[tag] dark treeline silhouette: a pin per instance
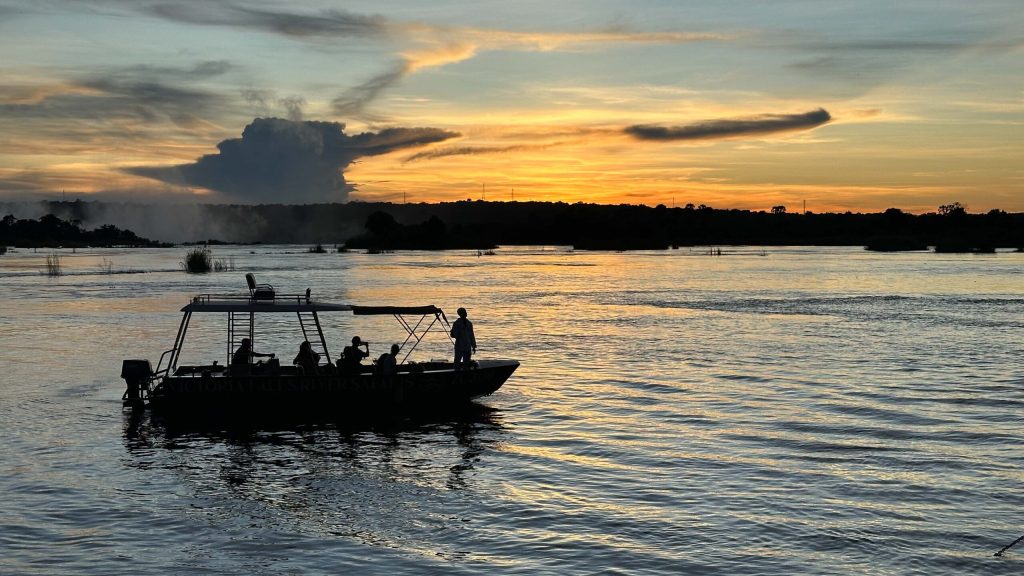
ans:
(383, 232)
(51, 231)
(479, 224)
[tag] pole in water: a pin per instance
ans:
(1008, 546)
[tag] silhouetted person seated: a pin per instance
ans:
(352, 356)
(307, 359)
(465, 340)
(387, 364)
(240, 360)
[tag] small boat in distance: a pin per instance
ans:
(326, 387)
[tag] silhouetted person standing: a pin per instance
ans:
(465, 340)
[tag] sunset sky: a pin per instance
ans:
(857, 105)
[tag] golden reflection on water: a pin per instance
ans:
(552, 498)
(566, 456)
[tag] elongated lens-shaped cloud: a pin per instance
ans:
(732, 128)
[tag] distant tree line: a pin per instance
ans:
(51, 231)
(629, 227)
(479, 224)
(383, 232)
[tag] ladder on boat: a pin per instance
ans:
(313, 333)
(240, 325)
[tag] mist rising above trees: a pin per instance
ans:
(51, 231)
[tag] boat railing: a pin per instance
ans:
(162, 370)
(253, 299)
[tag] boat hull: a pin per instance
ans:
(332, 392)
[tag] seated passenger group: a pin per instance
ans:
(308, 361)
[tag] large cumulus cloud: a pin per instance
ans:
(287, 161)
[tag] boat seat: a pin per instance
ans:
(259, 291)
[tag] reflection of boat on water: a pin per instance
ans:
(325, 387)
(144, 428)
(376, 461)
(353, 474)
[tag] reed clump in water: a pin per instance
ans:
(222, 265)
(53, 265)
(198, 260)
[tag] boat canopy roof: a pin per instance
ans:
(393, 310)
(271, 306)
(215, 303)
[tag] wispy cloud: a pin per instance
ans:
(942, 43)
(264, 101)
(731, 128)
(328, 23)
(338, 24)
(475, 150)
(441, 46)
(353, 102)
(110, 98)
(147, 93)
(425, 45)
(439, 54)
(198, 71)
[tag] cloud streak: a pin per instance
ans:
(475, 150)
(264, 100)
(335, 24)
(328, 23)
(108, 98)
(144, 93)
(731, 128)
(465, 43)
(285, 161)
(353, 102)
(428, 45)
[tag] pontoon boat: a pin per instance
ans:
(325, 387)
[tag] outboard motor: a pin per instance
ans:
(136, 374)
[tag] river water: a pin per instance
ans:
(766, 411)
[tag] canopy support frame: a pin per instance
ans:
(414, 334)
